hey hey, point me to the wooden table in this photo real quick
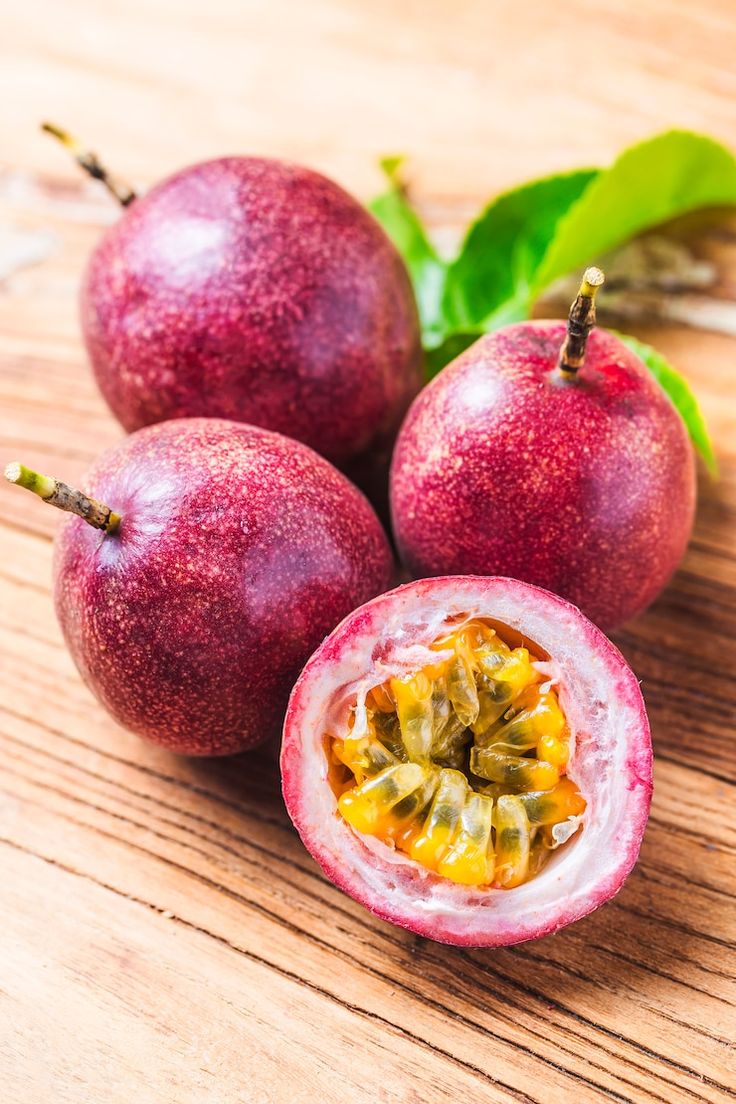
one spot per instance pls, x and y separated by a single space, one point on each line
164 936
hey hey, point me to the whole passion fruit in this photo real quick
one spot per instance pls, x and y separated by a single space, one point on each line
212 559
256 290
560 463
470 757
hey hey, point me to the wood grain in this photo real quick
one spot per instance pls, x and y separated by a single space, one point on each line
163 934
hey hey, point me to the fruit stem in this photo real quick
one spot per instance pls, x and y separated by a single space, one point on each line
65 498
580 322
122 192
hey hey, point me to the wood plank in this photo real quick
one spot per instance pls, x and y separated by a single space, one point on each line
164 934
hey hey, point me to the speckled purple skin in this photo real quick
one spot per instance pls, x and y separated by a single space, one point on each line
255 290
585 487
239 549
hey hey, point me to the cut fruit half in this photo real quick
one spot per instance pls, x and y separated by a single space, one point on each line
470 757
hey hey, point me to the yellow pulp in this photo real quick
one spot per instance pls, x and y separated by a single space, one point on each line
463 763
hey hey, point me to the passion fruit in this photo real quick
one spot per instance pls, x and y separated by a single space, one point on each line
255 290
548 453
470 758
201 566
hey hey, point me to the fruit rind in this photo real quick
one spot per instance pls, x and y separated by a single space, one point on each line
610 760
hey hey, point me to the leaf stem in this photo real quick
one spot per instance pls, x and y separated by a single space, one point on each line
580 322
63 497
89 161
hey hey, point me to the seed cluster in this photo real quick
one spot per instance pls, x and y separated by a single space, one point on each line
461 765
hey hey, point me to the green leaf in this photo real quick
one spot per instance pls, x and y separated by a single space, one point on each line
650 183
490 283
682 398
403 225
528 237
451 347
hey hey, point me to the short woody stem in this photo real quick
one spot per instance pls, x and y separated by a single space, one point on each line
89 161
579 323
63 497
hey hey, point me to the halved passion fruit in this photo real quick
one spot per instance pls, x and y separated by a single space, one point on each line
470 757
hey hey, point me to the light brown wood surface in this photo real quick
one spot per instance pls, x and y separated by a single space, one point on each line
163 935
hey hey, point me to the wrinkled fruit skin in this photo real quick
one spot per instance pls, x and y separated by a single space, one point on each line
238 550
611 762
585 487
259 291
